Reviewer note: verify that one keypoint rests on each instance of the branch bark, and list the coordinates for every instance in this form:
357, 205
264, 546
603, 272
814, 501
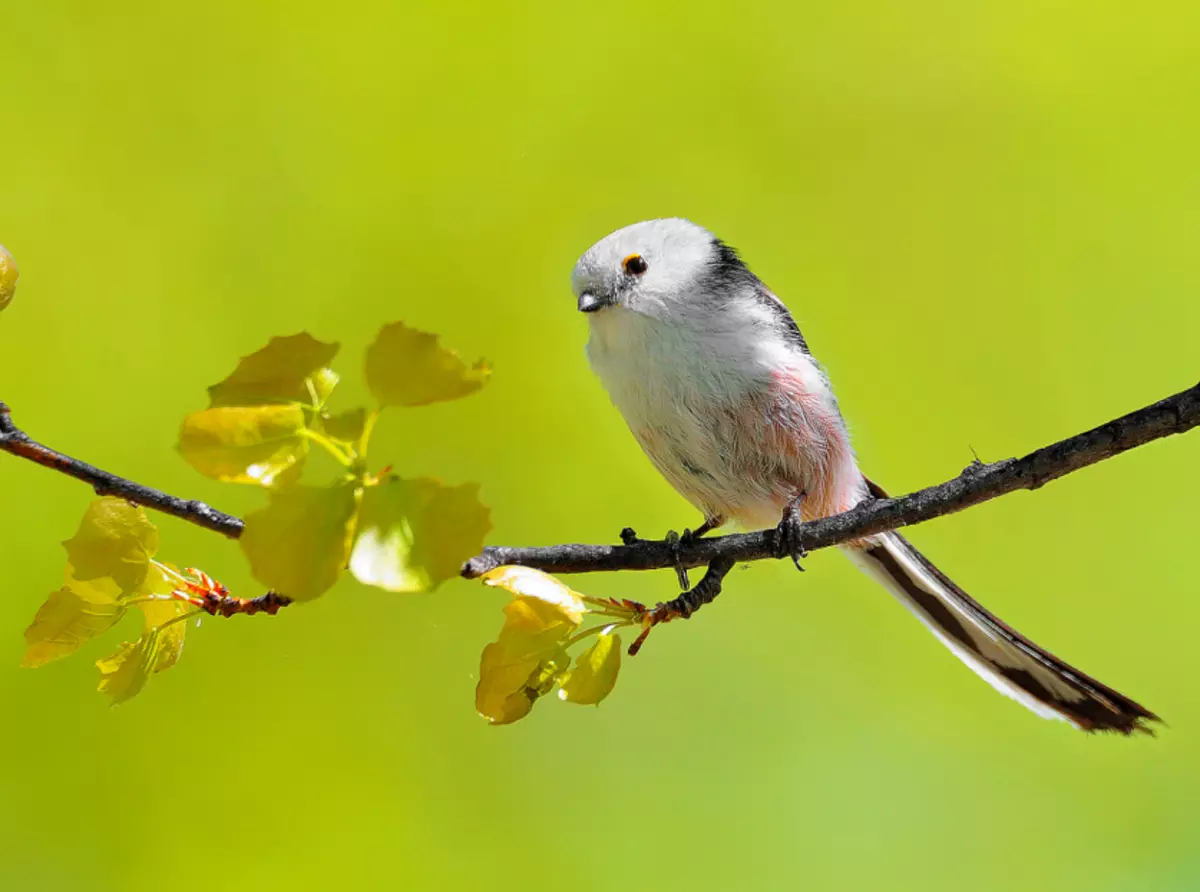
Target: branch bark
17, 442
978, 483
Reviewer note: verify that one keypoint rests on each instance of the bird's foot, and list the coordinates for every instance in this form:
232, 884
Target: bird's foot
788, 533
686, 604
677, 542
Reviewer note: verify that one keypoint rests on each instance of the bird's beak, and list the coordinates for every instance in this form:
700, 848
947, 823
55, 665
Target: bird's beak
590, 303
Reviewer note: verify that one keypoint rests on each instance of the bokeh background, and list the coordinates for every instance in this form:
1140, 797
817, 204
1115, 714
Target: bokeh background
985, 218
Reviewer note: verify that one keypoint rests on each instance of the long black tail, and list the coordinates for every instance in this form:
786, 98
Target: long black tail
1007, 660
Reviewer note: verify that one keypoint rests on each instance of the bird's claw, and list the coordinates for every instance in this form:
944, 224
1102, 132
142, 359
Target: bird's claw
675, 541
788, 542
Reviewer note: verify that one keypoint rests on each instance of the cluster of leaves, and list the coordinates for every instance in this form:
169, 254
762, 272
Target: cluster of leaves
111, 570
530, 657
402, 535
398, 534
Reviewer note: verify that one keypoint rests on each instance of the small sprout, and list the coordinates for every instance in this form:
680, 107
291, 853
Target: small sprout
111, 572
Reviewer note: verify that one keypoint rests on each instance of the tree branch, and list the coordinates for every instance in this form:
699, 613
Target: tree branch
17, 442
978, 483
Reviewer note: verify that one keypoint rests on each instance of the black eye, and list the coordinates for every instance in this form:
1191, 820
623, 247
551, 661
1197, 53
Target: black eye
635, 264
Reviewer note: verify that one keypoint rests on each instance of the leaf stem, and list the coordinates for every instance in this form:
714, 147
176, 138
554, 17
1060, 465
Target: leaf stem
368, 429
154, 599
183, 617
595, 630
328, 445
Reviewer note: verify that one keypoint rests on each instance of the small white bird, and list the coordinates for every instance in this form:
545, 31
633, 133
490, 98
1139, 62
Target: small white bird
718, 386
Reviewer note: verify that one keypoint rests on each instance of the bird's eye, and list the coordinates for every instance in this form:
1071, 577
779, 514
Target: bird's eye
635, 264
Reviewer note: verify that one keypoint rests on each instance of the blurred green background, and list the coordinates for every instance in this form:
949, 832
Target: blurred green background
984, 217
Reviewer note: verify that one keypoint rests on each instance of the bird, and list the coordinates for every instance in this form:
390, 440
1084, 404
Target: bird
718, 386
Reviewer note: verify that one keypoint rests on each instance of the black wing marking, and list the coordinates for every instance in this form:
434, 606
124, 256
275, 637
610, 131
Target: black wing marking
732, 274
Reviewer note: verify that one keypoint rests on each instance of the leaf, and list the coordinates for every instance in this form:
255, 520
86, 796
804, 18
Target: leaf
407, 367
323, 382
170, 638
532, 626
595, 672
300, 542
500, 694
126, 672
414, 534
115, 538
8, 277
246, 444
532, 583
278, 373
508, 687
157, 614
76, 613
347, 427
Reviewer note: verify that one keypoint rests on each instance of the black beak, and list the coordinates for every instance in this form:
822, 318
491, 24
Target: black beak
590, 303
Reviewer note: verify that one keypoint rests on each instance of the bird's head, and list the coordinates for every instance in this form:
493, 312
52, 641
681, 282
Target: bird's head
656, 268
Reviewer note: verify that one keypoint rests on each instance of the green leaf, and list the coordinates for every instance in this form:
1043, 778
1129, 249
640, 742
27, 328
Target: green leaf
126, 672
407, 367
413, 535
347, 427
509, 686
595, 672
8, 277
159, 615
116, 539
263, 445
170, 639
76, 613
278, 373
300, 542
530, 583
500, 694
323, 382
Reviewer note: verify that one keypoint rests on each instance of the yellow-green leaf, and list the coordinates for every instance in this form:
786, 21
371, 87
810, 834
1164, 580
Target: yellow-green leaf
531, 583
8, 277
115, 538
71, 616
595, 672
500, 694
323, 382
300, 542
159, 615
414, 534
278, 373
170, 637
407, 367
347, 427
533, 626
509, 686
125, 673
264, 445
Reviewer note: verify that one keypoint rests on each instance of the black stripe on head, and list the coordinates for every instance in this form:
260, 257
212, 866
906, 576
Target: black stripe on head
730, 274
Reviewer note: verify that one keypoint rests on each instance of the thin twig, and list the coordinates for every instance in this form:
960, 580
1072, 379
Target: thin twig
17, 442
978, 483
